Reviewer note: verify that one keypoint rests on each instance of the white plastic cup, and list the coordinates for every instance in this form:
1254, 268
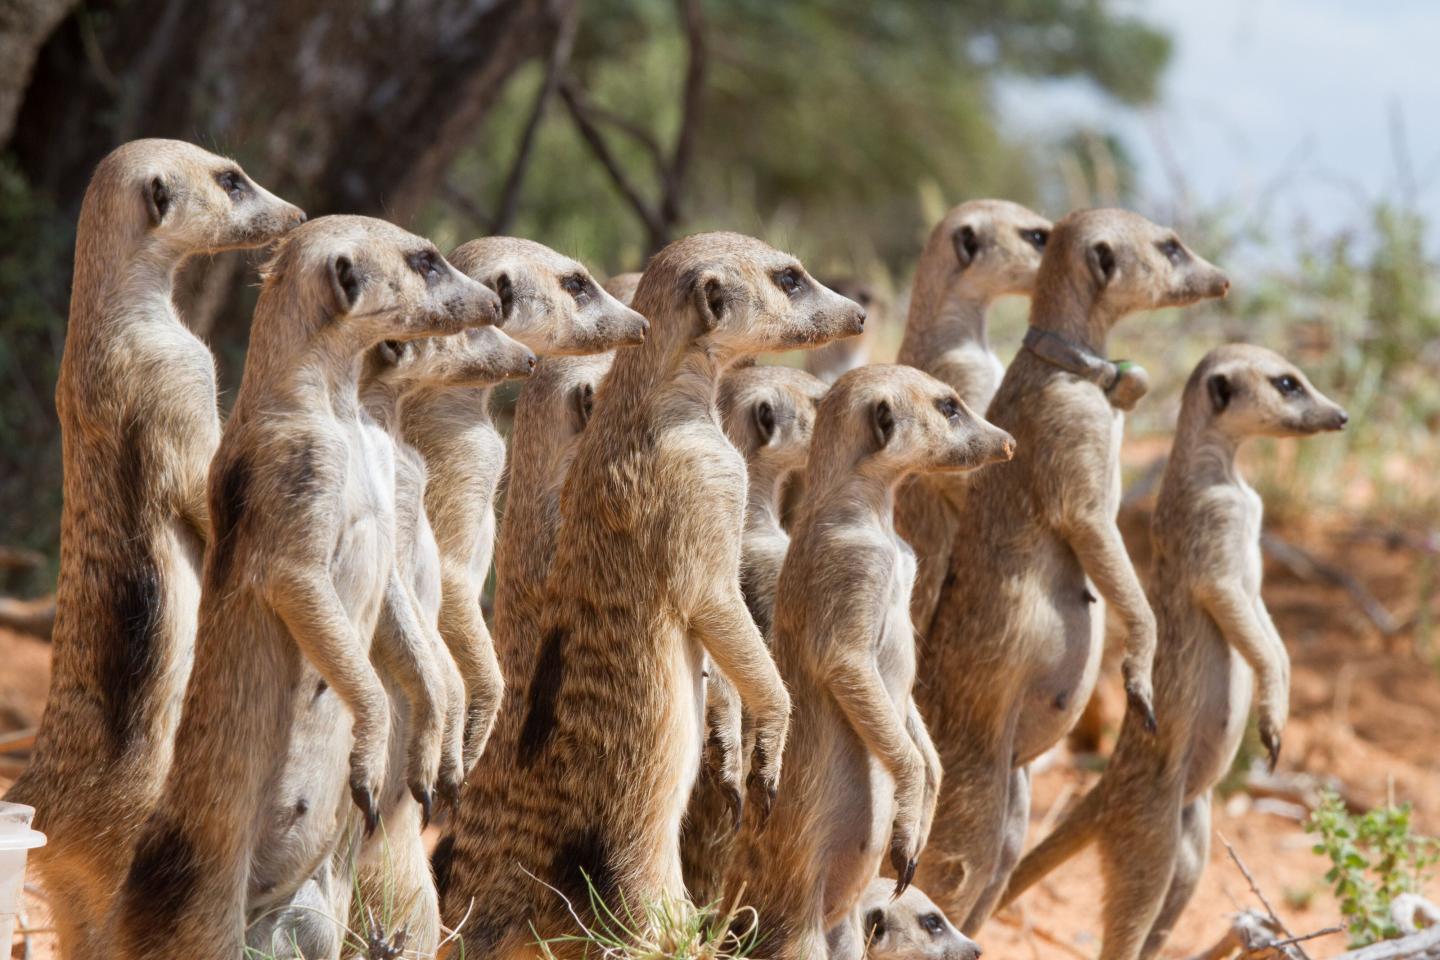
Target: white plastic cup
16, 841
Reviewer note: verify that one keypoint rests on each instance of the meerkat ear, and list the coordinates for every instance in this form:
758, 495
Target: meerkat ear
157, 201
1101, 260
967, 245
345, 282
582, 404
882, 419
764, 421
505, 290
391, 351
1220, 391
710, 300
875, 925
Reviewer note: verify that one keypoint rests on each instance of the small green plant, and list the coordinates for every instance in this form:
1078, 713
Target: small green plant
665, 930
1375, 857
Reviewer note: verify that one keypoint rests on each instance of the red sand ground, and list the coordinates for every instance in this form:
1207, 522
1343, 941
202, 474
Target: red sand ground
1364, 710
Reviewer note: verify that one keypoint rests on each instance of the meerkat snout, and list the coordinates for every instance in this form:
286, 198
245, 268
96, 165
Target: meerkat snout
1252, 391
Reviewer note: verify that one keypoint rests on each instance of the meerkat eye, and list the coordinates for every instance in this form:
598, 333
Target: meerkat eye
949, 408
1036, 238
427, 264
576, 285
1173, 251
233, 182
932, 923
875, 924
1288, 385
790, 281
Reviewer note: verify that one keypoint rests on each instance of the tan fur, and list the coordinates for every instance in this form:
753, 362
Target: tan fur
550, 303
980, 251
595, 754
622, 286
864, 775
768, 414
139, 424
1012, 653
293, 583
427, 693
1150, 813
828, 362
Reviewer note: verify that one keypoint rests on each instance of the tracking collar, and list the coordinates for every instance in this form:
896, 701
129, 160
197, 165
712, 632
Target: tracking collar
1123, 381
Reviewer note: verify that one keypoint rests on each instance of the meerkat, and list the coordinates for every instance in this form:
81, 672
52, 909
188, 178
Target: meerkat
1150, 812
293, 580
139, 424
865, 773
427, 693
622, 286
595, 754
768, 414
828, 362
978, 252
551, 304
1014, 646
907, 927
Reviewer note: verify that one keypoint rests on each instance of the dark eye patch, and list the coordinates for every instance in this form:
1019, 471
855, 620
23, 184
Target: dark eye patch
426, 263
790, 281
1037, 238
1288, 385
1172, 250
576, 284
949, 408
234, 184
932, 923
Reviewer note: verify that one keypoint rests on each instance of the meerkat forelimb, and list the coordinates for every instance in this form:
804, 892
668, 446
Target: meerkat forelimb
865, 779
139, 424
768, 413
594, 756
294, 577
1015, 634
1150, 812
550, 303
979, 252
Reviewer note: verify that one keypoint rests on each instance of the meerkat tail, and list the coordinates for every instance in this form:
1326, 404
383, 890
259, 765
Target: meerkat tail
1073, 834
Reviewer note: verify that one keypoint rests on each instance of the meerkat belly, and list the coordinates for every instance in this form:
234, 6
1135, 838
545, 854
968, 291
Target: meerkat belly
1063, 645
858, 810
895, 650
1223, 710
365, 549
974, 371
180, 556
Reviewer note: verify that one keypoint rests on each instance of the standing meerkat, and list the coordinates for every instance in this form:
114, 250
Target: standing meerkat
1014, 646
828, 362
595, 754
1150, 812
768, 414
980, 251
550, 303
139, 424
427, 693
865, 773
294, 576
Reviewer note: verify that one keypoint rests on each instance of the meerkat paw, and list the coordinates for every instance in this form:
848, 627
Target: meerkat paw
764, 779
452, 775
1270, 739
1140, 697
904, 856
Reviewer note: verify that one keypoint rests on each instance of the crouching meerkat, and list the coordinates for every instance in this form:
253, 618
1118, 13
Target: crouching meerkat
980, 251
139, 424
768, 414
301, 503
550, 303
1013, 650
828, 362
1150, 812
427, 693
865, 774
595, 754
908, 927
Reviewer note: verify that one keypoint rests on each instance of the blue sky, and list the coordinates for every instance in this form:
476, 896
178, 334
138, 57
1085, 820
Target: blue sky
1290, 102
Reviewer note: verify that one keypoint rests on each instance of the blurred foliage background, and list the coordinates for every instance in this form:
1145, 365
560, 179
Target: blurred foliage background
839, 129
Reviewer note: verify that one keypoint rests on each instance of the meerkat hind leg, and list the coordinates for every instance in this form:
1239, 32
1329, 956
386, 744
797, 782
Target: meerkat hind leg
1012, 844
1194, 854
1139, 846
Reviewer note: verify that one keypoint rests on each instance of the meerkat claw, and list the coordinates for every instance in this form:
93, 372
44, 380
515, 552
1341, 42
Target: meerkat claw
904, 871
736, 803
426, 799
1271, 741
365, 800
1141, 704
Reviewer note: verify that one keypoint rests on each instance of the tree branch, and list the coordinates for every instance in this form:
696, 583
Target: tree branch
585, 123
694, 21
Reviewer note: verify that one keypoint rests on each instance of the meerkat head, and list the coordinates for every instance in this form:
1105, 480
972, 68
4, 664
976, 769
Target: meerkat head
893, 420
478, 357
1248, 391
622, 286
909, 927
986, 248
185, 199
769, 414
742, 297
548, 301
363, 280
1117, 262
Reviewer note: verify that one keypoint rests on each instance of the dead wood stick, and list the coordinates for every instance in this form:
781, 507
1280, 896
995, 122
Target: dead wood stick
18, 740
1424, 944
1255, 889
1307, 566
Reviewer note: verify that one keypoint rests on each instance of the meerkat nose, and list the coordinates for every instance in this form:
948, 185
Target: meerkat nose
299, 216
860, 320
1341, 418
530, 363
